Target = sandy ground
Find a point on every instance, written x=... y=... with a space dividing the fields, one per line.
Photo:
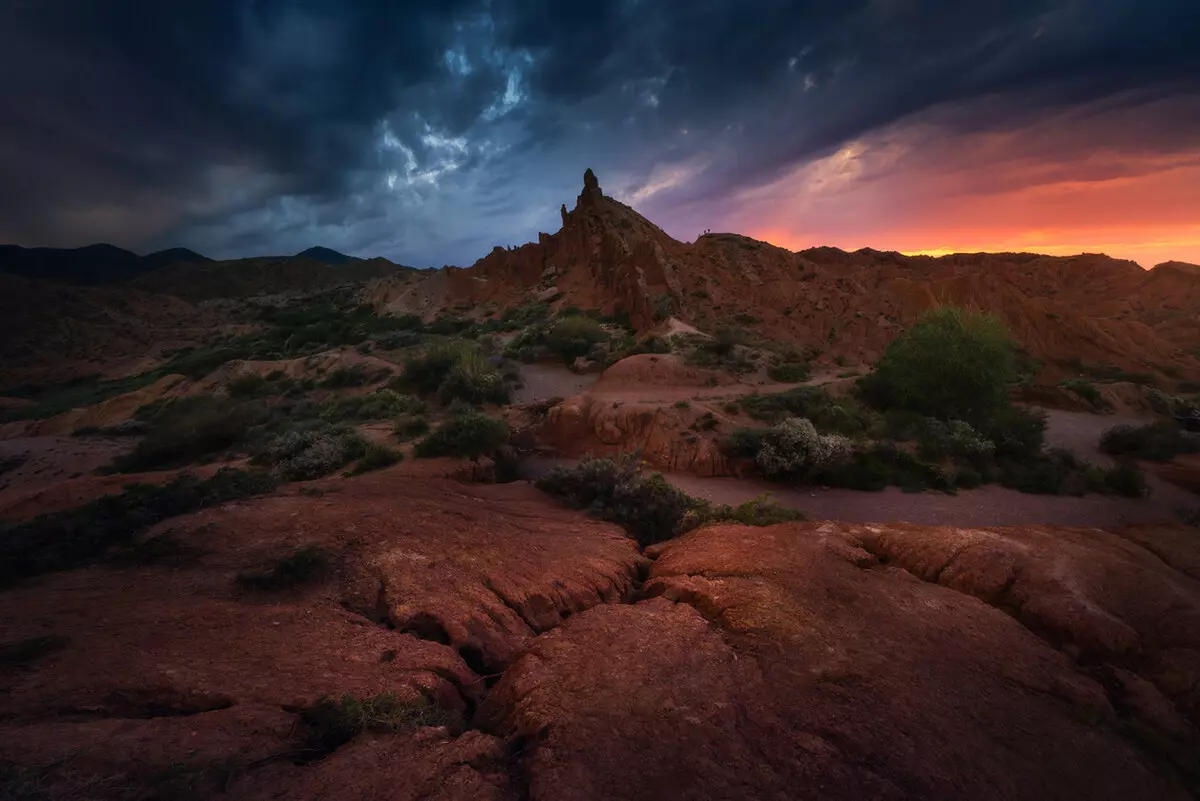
x=544 y=381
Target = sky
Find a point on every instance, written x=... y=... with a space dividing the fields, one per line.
x=430 y=132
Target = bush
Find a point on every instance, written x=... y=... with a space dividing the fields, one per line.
x=354 y=376
x=1017 y=433
x=332 y=724
x=473 y=379
x=304 y=566
x=184 y=430
x=379 y=405
x=725 y=341
x=76 y=536
x=468 y=434
x=1056 y=472
x=954 y=439
x=788 y=372
x=745 y=443
x=1189 y=516
x=760 y=511
x=572 y=337
x=305 y=455
x=1157 y=442
x=426 y=371
x=649 y=508
x=840 y=416
x=1086 y=390
x=376 y=457
x=968 y=478
x=884 y=465
x=408 y=427
x=794 y=447
x=953 y=364
x=1126 y=479
x=1173 y=405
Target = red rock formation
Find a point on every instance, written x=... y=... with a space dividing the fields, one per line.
x=1099 y=310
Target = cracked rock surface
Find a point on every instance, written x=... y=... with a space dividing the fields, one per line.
x=805 y=660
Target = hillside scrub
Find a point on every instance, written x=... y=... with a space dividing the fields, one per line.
x=189 y=429
x=952 y=364
x=468 y=434
x=1157 y=442
x=73 y=537
x=456 y=370
x=303 y=455
x=645 y=504
x=1086 y=390
x=795 y=448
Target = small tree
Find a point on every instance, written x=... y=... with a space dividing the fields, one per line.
x=953 y=364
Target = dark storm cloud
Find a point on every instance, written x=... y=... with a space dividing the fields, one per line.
x=428 y=131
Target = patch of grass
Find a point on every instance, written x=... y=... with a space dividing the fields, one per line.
x=408 y=427
x=303 y=566
x=73 y=537
x=356 y=375
x=573 y=337
x=1157 y=442
x=838 y=415
x=331 y=724
x=303 y=455
x=379 y=405
x=788 y=372
x=649 y=508
x=375 y=457
x=761 y=511
x=52 y=400
x=189 y=429
x=22 y=653
x=468 y=434
x=1086 y=390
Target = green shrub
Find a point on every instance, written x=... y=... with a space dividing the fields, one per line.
x=408 y=427
x=468 y=434
x=733 y=407
x=473 y=379
x=251 y=385
x=725 y=341
x=376 y=457
x=664 y=307
x=745 y=443
x=649 y=508
x=303 y=566
x=1086 y=390
x=1126 y=478
x=683 y=404
x=354 y=376
x=332 y=724
x=304 y=455
x=1017 y=433
x=760 y=511
x=1164 y=403
x=184 y=430
x=1057 y=472
x=379 y=405
x=1157 y=442
x=426 y=371
x=952 y=364
x=788 y=372
x=968 y=478
x=66 y=539
x=706 y=422
x=794 y=447
x=572 y=337
x=841 y=416
x=955 y=439
x=883 y=465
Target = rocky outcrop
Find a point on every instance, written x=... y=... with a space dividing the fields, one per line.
x=792 y=661
x=666 y=437
x=1091 y=308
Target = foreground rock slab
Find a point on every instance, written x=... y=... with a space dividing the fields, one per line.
x=159 y=660
x=799 y=661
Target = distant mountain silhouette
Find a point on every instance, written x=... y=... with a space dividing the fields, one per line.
x=94 y=264
x=162 y=258
x=326 y=256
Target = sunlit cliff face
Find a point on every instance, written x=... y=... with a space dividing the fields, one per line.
x=1089 y=181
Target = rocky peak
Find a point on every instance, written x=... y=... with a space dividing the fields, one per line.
x=591 y=194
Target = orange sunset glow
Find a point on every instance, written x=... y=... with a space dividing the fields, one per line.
x=1042 y=189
